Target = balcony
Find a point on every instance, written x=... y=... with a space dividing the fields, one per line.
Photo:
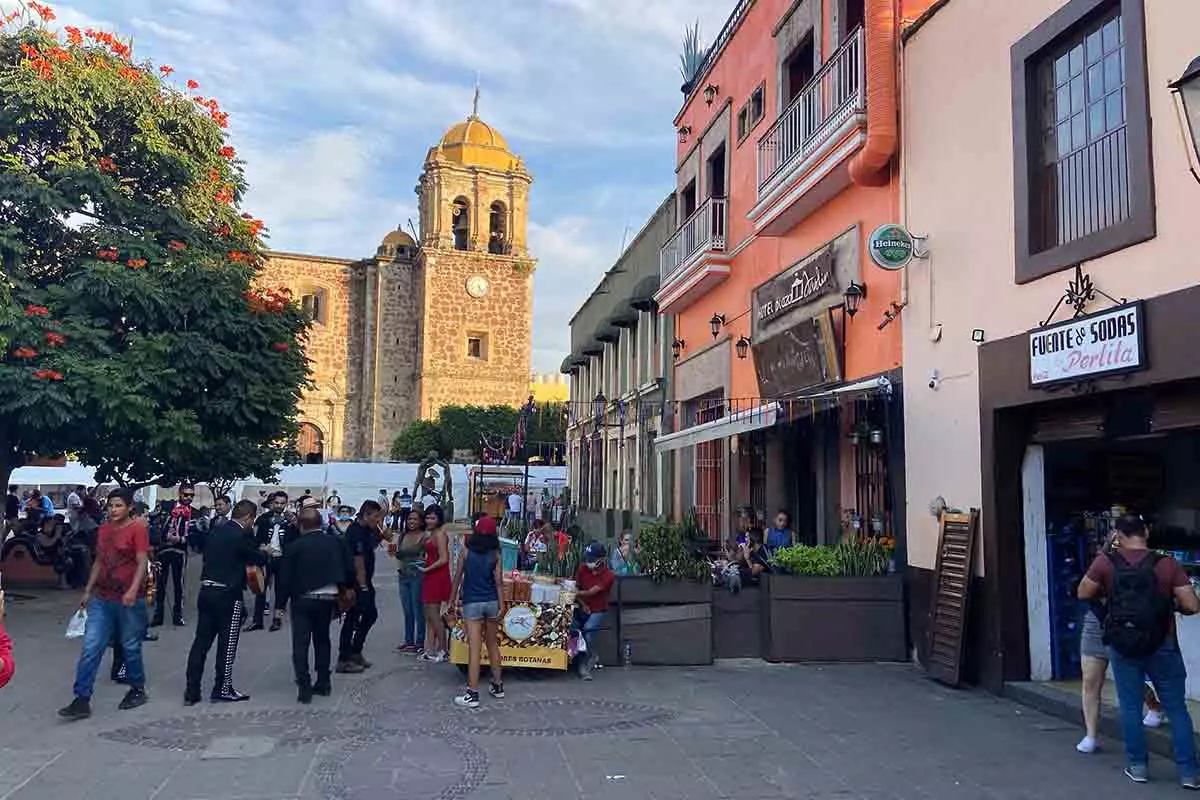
x=693 y=260
x=802 y=158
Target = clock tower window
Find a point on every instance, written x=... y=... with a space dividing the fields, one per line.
x=461 y=223
x=498 y=229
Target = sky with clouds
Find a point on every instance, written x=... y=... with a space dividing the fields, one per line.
x=334 y=104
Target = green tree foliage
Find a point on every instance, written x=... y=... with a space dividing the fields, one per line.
x=462 y=425
x=134 y=334
x=418 y=439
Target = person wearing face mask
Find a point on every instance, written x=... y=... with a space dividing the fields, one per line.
x=593 y=582
x=274 y=531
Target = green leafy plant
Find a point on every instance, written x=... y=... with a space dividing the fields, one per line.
x=862 y=557
x=417 y=440
x=561 y=562
x=691 y=59
x=666 y=553
x=803 y=559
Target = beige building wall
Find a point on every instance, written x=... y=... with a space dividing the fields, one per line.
x=958 y=181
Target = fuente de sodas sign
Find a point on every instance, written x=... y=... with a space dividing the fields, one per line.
x=1099 y=344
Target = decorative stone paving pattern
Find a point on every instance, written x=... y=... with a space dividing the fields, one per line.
x=406 y=765
x=558 y=717
x=285 y=727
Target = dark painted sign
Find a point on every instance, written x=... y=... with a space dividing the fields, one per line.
x=796 y=286
x=802 y=357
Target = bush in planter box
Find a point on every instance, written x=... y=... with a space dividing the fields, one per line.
x=854 y=557
x=803 y=559
x=666 y=552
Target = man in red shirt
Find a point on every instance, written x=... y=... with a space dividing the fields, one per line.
x=1144 y=590
x=593 y=582
x=115 y=602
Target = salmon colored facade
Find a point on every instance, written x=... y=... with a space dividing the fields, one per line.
x=787 y=150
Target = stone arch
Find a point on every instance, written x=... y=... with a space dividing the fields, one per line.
x=310 y=442
x=460 y=223
x=498 y=243
x=315 y=300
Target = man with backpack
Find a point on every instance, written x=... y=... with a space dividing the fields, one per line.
x=1144 y=590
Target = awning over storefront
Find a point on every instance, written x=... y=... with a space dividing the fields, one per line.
x=751 y=419
x=625 y=318
x=572 y=363
x=642 y=296
x=592 y=348
x=607 y=333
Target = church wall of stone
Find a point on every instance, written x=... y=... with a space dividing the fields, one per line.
x=503 y=317
x=395 y=391
x=325 y=405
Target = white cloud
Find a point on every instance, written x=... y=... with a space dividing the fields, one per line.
x=334 y=105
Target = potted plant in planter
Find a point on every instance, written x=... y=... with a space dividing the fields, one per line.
x=666 y=611
x=835 y=603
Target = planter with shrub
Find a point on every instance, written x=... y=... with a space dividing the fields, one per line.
x=665 y=613
x=835 y=603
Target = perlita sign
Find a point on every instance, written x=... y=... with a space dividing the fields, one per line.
x=1110 y=342
x=808 y=281
x=890 y=246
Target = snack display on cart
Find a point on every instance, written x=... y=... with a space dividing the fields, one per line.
x=536 y=627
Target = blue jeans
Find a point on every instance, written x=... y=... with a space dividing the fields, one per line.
x=589 y=627
x=104 y=618
x=1166 y=671
x=414 y=614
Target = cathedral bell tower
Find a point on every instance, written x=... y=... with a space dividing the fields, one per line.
x=476 y=275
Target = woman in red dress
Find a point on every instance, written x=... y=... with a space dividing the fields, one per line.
x=435 y=584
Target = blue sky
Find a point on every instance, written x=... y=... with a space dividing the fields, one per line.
x=334 y=104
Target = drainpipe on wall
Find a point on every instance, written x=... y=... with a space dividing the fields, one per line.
x=871 y=165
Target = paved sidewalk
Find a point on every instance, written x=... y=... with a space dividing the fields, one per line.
x=745 y=731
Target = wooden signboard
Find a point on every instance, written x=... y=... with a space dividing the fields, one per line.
x=951 y=594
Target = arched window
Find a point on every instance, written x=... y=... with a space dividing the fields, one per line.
x=498 y=229
x=461 y=224
x=311 y=444
x=314 y=301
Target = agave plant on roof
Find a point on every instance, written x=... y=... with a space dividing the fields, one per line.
x=692 y=57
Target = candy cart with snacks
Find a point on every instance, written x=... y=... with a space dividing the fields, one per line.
x=535 y=629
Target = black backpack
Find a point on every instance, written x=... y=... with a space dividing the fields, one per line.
x=1139 y=617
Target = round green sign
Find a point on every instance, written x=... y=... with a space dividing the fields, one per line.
x=891 y=247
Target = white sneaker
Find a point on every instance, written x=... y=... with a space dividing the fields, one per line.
x=1087 y=745
x=433 y=658
x=468 y=699
x=1152 y=719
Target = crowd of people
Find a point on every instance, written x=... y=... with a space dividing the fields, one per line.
x=305 y=556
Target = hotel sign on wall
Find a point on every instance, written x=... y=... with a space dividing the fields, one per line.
x=1107 y=343
x=796 y=287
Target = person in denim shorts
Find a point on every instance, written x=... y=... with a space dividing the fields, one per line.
x=478 y=579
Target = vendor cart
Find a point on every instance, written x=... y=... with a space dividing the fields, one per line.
x=533 y=635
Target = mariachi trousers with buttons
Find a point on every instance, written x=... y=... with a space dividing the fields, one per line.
x=174 y=567
x=219 y=616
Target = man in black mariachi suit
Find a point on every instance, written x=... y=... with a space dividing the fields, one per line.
x=172 y=526
x=273 y=531
x=228 y=549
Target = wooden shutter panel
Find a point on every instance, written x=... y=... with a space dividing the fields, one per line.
x=951 y=595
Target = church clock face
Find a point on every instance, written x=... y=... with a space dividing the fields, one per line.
x=477 y=286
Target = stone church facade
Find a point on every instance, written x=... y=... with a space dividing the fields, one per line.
x=441 y=319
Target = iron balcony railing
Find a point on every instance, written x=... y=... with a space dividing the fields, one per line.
x=835 y=94
x=703 y=230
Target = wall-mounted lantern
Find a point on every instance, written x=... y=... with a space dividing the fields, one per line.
x=684 y=132
x=1188 y=90
x=599 y=402
x=715 y=324
x=743 y=344
x=677 y=348
x=853 y=296
x=710 y=93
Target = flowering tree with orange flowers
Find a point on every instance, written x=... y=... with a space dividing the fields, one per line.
x=133 y=332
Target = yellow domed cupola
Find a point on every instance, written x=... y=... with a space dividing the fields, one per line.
x=474 y=143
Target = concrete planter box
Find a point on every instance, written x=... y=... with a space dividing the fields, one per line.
x=667 y=623
x=835 y=619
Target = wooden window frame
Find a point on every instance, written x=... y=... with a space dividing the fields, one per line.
x=1026 y=55
x=748 y=109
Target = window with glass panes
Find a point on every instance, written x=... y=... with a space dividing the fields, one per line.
x=1084 y=177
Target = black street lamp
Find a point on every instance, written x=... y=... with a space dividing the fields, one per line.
x=677 y=348
x=598 y=405
x=854 y=295
x=743 y=344
x=1188 y=89
x=715 y=324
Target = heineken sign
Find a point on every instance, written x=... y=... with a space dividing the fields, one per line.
x=890 y=246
